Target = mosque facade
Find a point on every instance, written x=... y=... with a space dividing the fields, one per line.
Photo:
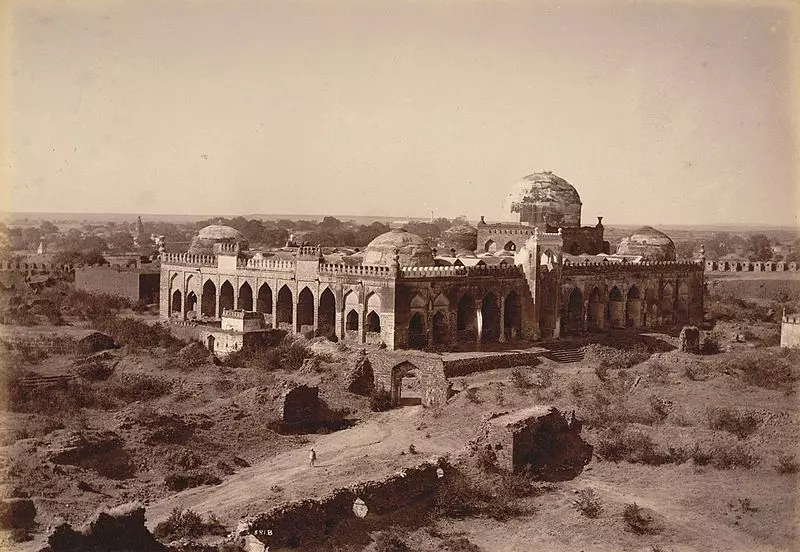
x=540 y=276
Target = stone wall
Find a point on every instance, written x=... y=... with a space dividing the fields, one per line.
x=302 y=523
x=133 y=284
x=751 y=266
x=790 y=332
x=389 y=367
x=465 y=366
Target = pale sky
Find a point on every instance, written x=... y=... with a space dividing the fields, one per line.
x=657 y=112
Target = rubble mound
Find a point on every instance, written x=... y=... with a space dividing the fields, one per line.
x=101 y=451
x=120 y=529
x=94 y=342
x=193 y=354
x=360 y=378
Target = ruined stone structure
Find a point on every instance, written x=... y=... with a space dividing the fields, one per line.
x=136 y=284
x=560 y=282
x=790 y=331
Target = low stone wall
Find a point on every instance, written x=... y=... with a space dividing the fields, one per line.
x=790 y=332
x=465 y=366
x=301 y=523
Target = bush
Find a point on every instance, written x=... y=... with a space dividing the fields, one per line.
x=634 y=447
x=577 y=389
x=136 y=334
x=520 y=379
x=472 y=395
x=637 y=520
x=180 y=524
x=391 y=541
x=661 y=407
x=95 y=371
x=186 y=480
x=139 y=387
x=699 y=456
x=787 y=464
x=380 y=400
x=726 y=458
x=770 y=371
x=588 y=503
x=741 y=424
x=459 y=544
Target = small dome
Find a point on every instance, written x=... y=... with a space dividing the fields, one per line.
x=412 y=249
x=544 y=198
x=460 y=237
x=648 y=243
x=203 y=243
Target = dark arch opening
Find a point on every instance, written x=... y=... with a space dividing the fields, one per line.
x=351 y=322
x=225 y=297
x=373 y=322
x=575 y=312
x=176 y=301
x=465 y=318
x=595 y=319
x=264 y=299
x=326 y=317
x=512 y=316
x=285 y=307
x=616 y=309
x=510 y=246
x=245 y=297
x=208 y=300
x=416 y=332
x=191 y=301
x=633 y=308
x=305 y=310
x=490 y=316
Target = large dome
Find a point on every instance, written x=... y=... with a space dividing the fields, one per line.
x=203 y=243
x=648 y=243
x=461 y=237
x=412 y=249
x=543 y=198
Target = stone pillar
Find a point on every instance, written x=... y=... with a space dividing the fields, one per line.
x=275 y=304
x=478 y=322
x=316 y=310
x=294 y=309
x=216 y=297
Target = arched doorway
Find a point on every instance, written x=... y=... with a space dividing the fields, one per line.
x=633 y=308
x=466 y=319
x=191 y=303
x=616 y=308
x=596 y=307
x=440 y=329
x=264 y=302
x=512 y=316
x=417 y=339
x=683 y=303
x=305 y=311
x=667 y=303
x=208 y=300
x=245 y=297
x=225 y=297
x=351 y=321
x=408 y=372
x=574 y=318
x=373 y=323
x=490 y=315
x=176 y=302
x=210 y=341
x=510 y=246
x=490 y=246
x=326 y=317
x=285 y=308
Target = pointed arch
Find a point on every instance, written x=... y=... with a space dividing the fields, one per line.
x=373 y=322
x=512 y=315
x=490 y=246
x=574 y=318
x=616 y=308
x=510 y=246
x=633 y=308
x=418 y=302
x=326 y=312
x=245 y=297
x=466 y=318
x=305 y=310
x=285 y=307
x=208 y=299
x=682 y=311
x=441 y=301
x=417 y=337
x=191 y=302
x=490 y=316
x=225 y=297
x=176 y=302
x=595 y=316
x=264 y=299
x=374 y=302
x=351 y=321
x=440 y=328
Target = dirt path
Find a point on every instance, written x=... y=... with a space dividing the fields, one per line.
x=367 y=451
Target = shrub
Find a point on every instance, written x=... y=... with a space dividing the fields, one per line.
x=741 y=424
x=499 y=396
x=588 y=503
x=380 y=400
x=634 y=447
x=459 y=544
x=520 y=379
x=710 y=345
x=726 y=458
x=658 y=372
x=181 y=524
x=391 y=541
x=95 y=371
x=577 y=389
x=699 y=456
x=661 y=407
x=787 y=464
x=139 y=387
x=136 y=334
x=601 y=371
x=518 y=485
x=637 y=520
x=187 y=480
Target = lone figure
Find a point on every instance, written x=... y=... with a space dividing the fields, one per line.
x=312 y=457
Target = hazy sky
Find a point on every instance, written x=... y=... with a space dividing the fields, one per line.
x=657 y=112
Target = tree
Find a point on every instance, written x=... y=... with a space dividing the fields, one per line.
x=760 y=248
x=121 y=241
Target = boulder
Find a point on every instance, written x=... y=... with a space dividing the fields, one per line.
x=94 y=342
x=17 y=513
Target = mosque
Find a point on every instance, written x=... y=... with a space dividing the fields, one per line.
x=542 y=276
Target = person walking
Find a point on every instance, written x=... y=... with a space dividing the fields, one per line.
x=312 y=457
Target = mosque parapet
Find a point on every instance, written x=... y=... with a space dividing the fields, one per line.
x=354 y=270
x=617 y=266
x=267 y=264
x=189 y=259
x=450 y=271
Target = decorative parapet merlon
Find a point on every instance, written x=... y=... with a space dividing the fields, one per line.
x=188 y=259
x=276 y=265
x=737 y=265
x=354 y=270
x=496 y=271
x=570 y=267
x=791 y=319
x=500 y=271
